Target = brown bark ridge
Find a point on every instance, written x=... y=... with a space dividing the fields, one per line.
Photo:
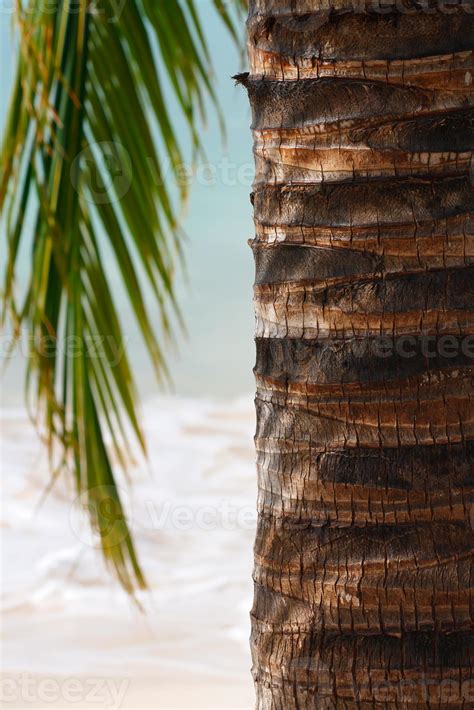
x=364 y=298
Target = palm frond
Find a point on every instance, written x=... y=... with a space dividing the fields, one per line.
x=88 y=131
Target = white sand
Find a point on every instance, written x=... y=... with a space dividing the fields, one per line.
x=70 y=637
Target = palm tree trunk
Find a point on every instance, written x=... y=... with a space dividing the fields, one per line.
x=364 y=302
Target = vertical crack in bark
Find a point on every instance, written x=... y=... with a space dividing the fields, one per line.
x=364 y=297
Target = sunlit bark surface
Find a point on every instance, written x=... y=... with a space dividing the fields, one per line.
x=364 y=300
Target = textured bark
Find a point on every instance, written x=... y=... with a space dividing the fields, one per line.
x=364 y=297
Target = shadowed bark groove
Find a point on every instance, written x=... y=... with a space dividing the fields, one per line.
x=364 y=297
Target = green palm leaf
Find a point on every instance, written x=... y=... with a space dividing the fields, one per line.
x=87 y=133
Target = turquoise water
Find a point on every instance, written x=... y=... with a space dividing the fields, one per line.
x=216 y=356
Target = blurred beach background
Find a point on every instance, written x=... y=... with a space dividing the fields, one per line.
x=70 y=636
